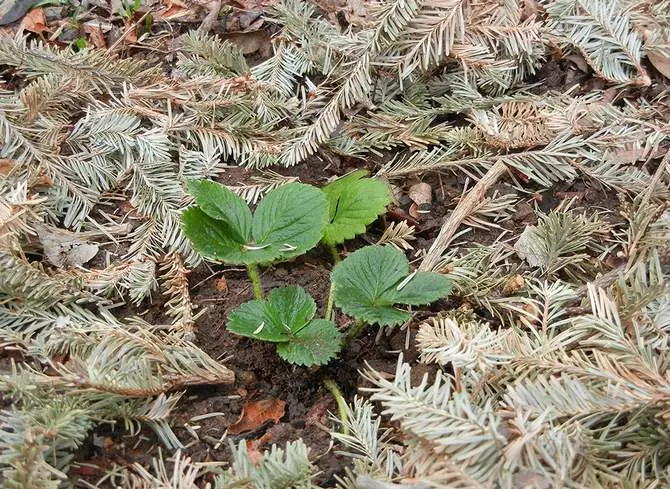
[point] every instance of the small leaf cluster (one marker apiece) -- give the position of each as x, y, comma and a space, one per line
371, 280
288, 222
286, 318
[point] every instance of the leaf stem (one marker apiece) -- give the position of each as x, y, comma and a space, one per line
331, 293
353, 332
252, 270
341, 404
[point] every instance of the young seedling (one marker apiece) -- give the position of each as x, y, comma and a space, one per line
287, 223
371, 280
354, 201
286, 318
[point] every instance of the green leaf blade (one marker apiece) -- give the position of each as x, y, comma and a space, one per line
316, 344
371, 280
256, 319
364, 283
210, 237
221, 203
423, 288
354, 202
290, 220
291, 307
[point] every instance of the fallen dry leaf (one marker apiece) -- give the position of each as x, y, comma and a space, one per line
221, 284
63, 248
579, 61
175, 9
249, 42
6, 166
318, 413
661, 63
421, 193
414, 211
513, 285
254, 448
34, 21
257, 413
131, 37
96, 35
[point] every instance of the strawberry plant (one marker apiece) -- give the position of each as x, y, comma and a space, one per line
286, 318
372, 280
287, 223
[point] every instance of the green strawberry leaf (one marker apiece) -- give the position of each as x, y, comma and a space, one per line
423, 288
353, 202
286, 317
288, 222
221, 203
284, 312
290, 219
210, 237
371, 280
317, 343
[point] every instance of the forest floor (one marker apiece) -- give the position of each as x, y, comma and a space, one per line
206, 416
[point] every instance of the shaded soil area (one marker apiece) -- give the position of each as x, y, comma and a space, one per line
204, 414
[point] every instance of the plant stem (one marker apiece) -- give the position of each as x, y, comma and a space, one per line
341, 404
331, 293
353, 332
252, 270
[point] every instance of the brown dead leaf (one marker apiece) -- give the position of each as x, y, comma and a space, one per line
414, 211
255, 447
513, 285
254, 4
34, 21
421, 193
6, 166
173, 12
45, 180
256, 413
661, 63
318, 413
221, 284
249, 42
131, 37
96, 35
579, 61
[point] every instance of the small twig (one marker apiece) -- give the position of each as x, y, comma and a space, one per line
464, 208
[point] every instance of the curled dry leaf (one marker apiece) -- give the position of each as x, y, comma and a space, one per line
255, 447
257, 413
579, 61
34, 21
249, 42
661, 63
221, 284
94, 31
513, 284
421, 193
63, 248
